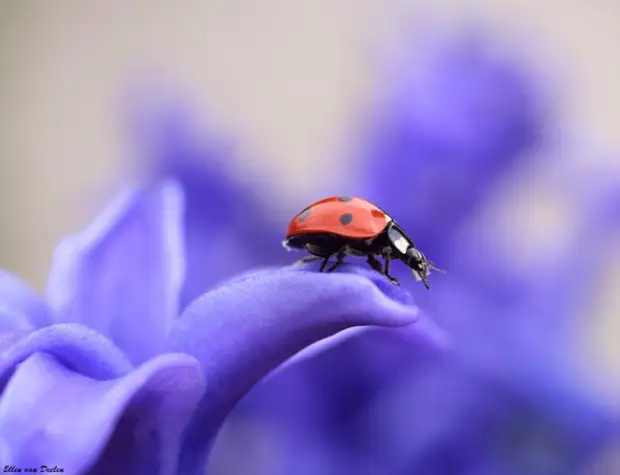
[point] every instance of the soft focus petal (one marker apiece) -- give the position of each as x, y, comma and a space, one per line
506, 376
544, 291
453, 118
21, 309
228, 226
462, 419
243, 330
131, 425
122, 276
314, 411
496, 399
508, 372
515, 352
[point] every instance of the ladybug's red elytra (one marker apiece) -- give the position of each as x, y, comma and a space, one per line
341, 225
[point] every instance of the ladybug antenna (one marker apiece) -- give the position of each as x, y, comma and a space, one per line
423, 276
431, 266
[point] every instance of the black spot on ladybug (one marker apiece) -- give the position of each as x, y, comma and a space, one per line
344, 199
346, 218
302, 217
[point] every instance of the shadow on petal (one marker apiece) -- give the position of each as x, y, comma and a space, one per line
243, 330
135, 420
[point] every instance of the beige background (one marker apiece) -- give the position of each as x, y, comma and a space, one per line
284, 75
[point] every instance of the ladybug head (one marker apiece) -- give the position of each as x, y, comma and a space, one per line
421, 267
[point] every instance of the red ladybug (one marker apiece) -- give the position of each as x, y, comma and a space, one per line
342, 225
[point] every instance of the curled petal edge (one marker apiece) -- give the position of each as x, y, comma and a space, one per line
76, 346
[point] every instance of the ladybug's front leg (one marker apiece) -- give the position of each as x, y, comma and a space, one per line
374, 263
387, 255
382, 269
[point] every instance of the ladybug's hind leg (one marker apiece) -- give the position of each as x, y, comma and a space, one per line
339, 260
324, 264
308, 260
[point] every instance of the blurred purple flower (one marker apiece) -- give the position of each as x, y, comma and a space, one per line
218, 208
106, 377
504, 401
450, 120
123, 385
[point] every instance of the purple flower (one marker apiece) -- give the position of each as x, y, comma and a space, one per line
217, 208
451, 118
106, 377
507, 399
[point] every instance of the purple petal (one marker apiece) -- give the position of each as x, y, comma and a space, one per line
21, 309
429, 412
542, 292
122, 275
220, 210
452, 119
131, 425
77, 347
462, 418
243, 330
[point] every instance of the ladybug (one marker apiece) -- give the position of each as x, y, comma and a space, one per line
345, 225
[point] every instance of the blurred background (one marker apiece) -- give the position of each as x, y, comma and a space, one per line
287, 80
285, 77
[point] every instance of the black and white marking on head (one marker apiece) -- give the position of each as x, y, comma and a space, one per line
302, 217
398, 240
417, 255
346, 218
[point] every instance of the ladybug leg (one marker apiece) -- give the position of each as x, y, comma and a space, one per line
339, 260
325, 260
387, 254
307, 260
374, 263
386, 271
